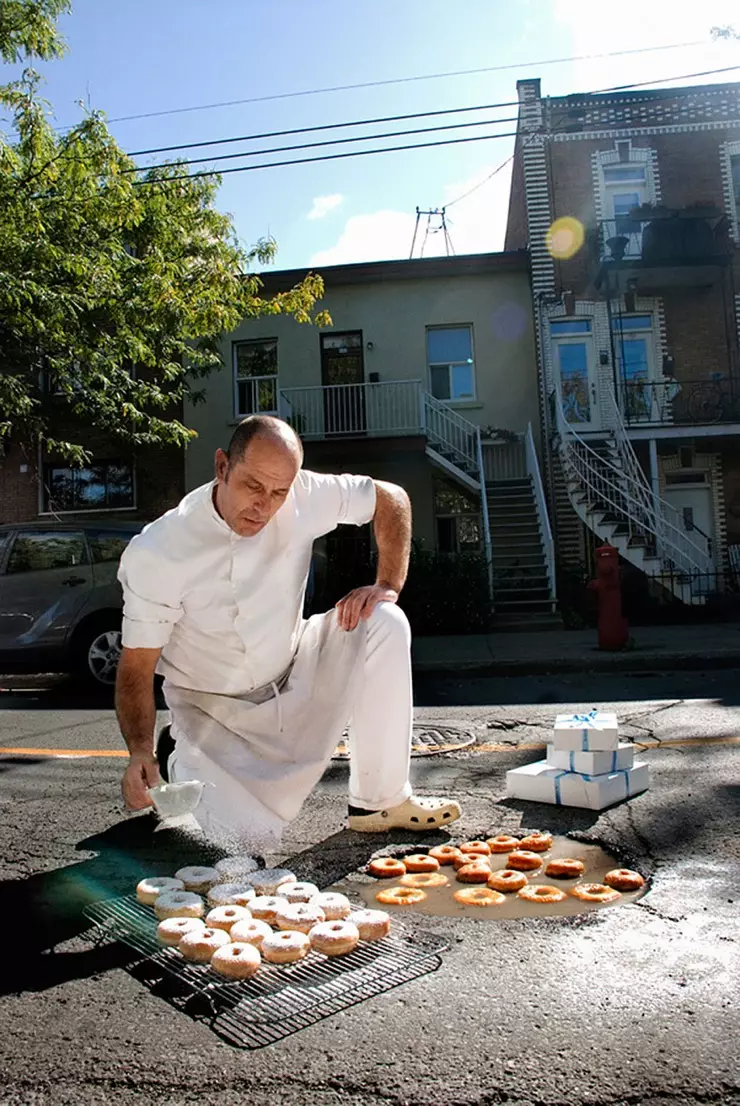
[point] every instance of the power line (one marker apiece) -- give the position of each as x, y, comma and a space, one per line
482, 182
660, 80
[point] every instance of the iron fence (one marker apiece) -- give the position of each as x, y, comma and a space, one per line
671, 402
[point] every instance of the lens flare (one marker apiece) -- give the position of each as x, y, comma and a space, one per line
564, 238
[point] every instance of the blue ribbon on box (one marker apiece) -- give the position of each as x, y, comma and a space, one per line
587, 721
615, 753
556, 781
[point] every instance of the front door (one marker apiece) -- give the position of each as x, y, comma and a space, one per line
575, 367
693, 502
343, 378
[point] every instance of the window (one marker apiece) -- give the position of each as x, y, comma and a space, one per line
41, 552
633, 342
105, 486
255, 377
107, 545
458, 519
450, 361
573, 357
624, 185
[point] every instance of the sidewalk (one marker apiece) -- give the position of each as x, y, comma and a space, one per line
542, 652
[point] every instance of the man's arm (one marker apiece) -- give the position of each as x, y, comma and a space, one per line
137, 716
392, 527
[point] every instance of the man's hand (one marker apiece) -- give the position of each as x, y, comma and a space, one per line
361, 603
142, 772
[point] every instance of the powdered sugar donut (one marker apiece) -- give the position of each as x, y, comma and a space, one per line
200, 944
250, 932
265, 907
298, 892
197, 878
285, 946
236, 867
224, 917
148, 890
230, 894
372, 925
237, 960
269, 880
334, 938
301, 916
172, 930
178, 904
335, 906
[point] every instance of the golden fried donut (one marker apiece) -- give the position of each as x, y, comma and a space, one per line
334, 938
481, 848
224, 917
445, 854
594, 892
565, 868
298, 892
301, 916
502, 843
250, 932
537, 841
372, 925
540, 892
401, 896
230, 894
386, 867
424, 879
507, 880
421, 862
473, 873
265, 907
200, 944
178, 904
172, 930
148, 890
471, 858
238, 960
478, 896
524, 861
197, 878
285, 946
624, 879
334, 906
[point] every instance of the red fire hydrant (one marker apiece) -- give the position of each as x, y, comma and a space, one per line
612, 626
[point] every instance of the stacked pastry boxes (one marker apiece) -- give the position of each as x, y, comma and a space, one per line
586, 765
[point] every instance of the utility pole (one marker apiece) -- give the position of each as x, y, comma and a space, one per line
437, 213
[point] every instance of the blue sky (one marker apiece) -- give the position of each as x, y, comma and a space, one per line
146, 56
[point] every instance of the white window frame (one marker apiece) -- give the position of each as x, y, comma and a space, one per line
648, 192
583, 338
74, 511
255, 379
460, 400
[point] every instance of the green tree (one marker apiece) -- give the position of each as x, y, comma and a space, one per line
115, 285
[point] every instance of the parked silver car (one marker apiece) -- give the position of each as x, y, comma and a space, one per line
60, 601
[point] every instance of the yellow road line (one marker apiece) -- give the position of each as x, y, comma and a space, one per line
27, 752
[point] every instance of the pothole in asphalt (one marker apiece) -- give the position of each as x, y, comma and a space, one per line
426, 741
440, 901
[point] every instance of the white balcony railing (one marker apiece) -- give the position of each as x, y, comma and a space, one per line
340, 410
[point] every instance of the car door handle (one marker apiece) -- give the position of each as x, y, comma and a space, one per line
73, 581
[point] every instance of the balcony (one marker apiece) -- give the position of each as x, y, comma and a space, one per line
383, 409
655, 248
669, 402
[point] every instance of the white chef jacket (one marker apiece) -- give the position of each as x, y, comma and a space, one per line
225, 610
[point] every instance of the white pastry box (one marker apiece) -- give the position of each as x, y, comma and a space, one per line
594, 732
541, 783
592, 764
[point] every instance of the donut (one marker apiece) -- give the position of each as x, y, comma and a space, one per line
537, 842
230, 894
524, 861
250, 932
178, 904
502, 843
507, 880
200, 944
285, 946
471, 858
372, 925
386, 867
301, 916
268, 880
478, 896
421, 862
265, 907
445, 854
224, 917
298, 892
334, 906
172, 930
481, 848
237, 960
540, 892
594, 892
473, 873
624, 879
334, 938
235, 867
148, 890
424, 879
197, 878
401, 896
565, 868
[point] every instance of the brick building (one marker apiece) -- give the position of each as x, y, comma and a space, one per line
630, 205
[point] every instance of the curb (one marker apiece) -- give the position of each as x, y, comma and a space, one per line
607, 662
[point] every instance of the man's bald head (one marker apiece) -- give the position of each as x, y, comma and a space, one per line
267, 428
255, 475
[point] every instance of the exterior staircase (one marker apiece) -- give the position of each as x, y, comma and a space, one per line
521, 575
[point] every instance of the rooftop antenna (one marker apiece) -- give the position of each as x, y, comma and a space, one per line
437, 213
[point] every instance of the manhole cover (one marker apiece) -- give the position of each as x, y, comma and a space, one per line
426, 741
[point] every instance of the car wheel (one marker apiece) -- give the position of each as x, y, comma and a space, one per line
99, 654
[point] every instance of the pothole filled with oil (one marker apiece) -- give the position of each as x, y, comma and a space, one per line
440, 900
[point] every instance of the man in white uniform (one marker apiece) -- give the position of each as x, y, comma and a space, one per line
259, 697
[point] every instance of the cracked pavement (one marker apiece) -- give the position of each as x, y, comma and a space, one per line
631, 1006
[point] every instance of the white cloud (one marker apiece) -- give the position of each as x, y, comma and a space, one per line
373, 237
322, 205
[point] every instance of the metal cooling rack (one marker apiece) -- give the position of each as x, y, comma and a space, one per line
280, 999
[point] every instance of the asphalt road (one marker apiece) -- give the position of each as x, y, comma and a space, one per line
634, 1005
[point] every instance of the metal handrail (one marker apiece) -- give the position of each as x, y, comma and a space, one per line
533, 470
487, 542
453, 432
